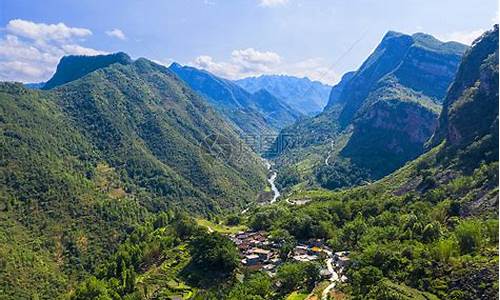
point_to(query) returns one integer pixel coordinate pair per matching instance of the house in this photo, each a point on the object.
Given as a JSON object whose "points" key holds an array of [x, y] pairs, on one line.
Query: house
{"points": [[263, 255], [325, 273], [305, 257], [314, 250], [343, 261], [251, 260], [300, 250]]}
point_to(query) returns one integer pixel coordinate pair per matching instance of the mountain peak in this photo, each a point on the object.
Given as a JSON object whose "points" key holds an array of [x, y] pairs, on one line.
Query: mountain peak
{"points": [[73, 67]]}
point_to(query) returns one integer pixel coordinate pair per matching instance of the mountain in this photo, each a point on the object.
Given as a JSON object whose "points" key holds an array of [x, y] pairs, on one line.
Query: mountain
{"points": [[472, 96], [302, 94], [378, 117], [430, 229], [253, 114], [35, 85], [73, 67], [84, 162], [336, 91], [466, 140]]}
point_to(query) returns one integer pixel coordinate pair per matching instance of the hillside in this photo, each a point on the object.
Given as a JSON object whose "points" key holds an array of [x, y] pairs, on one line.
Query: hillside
{"points": [[427, 231], [378, 117], [254, 114], [430, 229], [83, 163], [302, 94]]}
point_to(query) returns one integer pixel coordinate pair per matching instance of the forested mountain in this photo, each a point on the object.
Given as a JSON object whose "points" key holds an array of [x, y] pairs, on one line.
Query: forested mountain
{"points": [[254, 113], [84, 162], [306, 96], [73, 67], [379, 117], [428, 231]]}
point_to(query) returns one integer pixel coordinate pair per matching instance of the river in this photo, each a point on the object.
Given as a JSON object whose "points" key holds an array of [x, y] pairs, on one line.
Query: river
{"points": [[271, 180]]}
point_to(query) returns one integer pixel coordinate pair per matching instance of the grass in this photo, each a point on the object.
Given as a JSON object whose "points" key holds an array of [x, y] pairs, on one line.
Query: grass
{"points": [[297, 296], [221, 228], [165, 279]]}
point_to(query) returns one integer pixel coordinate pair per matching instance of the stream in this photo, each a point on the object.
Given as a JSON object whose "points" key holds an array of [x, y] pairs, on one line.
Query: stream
{"points": [[271, 180]]}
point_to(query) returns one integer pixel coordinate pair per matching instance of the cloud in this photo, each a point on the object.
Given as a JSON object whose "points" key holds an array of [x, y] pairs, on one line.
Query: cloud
{"points": [[29, 51], [46, 32], [271, 3], [464, 37], [117, 33], [251, 62]]}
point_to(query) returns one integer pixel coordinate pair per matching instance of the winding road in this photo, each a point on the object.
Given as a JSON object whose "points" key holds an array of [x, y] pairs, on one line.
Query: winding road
{"points": [[334, 279]]}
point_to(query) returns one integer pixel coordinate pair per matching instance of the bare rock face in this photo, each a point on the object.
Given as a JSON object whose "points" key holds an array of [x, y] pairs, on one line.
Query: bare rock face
{"points": [[389, 134], [472, 96]]}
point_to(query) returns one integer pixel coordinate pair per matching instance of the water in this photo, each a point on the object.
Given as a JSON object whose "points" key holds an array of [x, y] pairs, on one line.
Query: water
{"points": [[271, 181]]}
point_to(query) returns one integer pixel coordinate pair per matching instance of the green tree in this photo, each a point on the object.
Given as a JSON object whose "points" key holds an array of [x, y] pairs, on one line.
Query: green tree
{"points": [[215, 253], [469, 236]]}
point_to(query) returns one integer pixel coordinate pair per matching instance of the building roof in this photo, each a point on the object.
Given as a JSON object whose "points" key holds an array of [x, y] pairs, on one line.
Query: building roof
{"points": [[260, 251]]}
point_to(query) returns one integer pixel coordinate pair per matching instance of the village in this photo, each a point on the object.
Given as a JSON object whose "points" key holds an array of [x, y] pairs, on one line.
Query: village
{"points": [[259, 252]]}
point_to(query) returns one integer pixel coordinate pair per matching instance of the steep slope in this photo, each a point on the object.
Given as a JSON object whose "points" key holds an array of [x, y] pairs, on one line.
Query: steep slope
{"points": [[378, 117], [467, 136], [83, 163], [430, 229], [302, 94], [472, 95], [253, 114]]}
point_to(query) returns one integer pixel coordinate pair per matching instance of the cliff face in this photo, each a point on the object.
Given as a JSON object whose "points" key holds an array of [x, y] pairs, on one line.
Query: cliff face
{"points": [[418, 62], [390, 133], [380, 116], [470, 110]]}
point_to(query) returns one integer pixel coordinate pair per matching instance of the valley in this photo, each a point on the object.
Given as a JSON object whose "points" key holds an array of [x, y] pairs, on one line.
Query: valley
{"points": [[126, 179]]}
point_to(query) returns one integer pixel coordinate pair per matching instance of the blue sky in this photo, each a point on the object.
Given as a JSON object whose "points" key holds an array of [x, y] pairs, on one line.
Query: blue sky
{"points": [[233, 38]]}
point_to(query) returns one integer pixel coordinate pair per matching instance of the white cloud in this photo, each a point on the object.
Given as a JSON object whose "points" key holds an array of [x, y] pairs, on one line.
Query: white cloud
{"points": [[251, 62], [29, 51], [46, 32], [117, 33], [464, 37], [270, 3]]}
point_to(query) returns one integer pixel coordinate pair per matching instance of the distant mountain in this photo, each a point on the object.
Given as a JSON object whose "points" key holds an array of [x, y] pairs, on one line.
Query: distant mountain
{"points": [[380, 116], [306, 96], [86, 161], [254, 114], [35, 85]]}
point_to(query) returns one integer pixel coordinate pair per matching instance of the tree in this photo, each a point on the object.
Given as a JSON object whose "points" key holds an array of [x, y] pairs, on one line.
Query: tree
{"points": [[297, 275], [92, 289], [469, 237], [211, 252]]}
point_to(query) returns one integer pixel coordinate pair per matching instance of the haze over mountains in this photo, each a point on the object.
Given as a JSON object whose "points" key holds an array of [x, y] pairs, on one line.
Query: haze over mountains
{"points": [[255, 114], [306, 96], [121, 178]]}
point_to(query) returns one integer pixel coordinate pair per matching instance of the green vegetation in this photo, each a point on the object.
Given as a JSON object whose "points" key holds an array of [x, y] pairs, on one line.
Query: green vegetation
{"points": [[380, 118], [84, 163], [232, 226]]}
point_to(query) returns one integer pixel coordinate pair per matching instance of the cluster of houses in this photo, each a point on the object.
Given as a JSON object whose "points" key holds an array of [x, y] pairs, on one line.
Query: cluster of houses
{"points": [[258, 252]]}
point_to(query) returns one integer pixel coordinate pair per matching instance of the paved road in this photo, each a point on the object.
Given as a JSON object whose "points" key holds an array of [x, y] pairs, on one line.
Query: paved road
{"points": [[334, 279]]}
